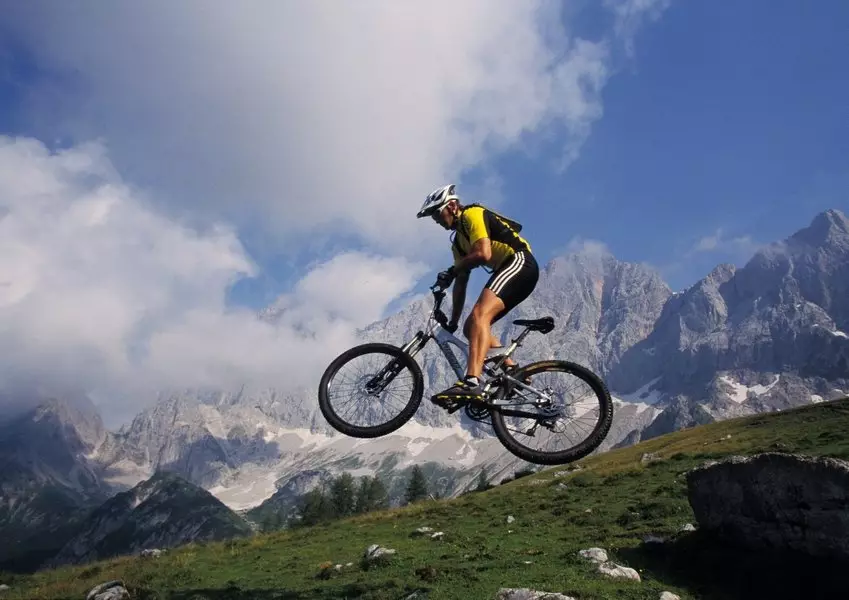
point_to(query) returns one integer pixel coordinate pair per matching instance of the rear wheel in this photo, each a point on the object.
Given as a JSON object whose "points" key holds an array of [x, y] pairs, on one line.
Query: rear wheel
{"points": [[570, 427], [370, 390]]}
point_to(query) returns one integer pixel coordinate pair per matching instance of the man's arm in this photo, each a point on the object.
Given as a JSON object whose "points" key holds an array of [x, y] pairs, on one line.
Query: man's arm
{"points": [[480, 254], [458, 296]]}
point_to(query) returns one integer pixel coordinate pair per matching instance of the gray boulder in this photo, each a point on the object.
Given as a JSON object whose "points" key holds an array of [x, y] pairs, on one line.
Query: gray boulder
{"points": [[111, 590], [775, 501], [528, 594]]}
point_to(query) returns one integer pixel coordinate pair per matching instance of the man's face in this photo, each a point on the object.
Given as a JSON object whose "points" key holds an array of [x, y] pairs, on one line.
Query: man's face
{"points": [[445, 217]]}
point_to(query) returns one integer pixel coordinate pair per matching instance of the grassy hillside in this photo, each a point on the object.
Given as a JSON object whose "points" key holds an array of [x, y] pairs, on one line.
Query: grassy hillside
{"points": [[613, 501]]}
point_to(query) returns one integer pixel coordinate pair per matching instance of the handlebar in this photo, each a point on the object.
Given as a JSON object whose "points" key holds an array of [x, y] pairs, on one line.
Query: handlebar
{"points": [[438, 297]]}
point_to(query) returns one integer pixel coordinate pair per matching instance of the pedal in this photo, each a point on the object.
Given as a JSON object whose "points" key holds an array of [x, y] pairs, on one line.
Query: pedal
{"points": [[451, 406]]}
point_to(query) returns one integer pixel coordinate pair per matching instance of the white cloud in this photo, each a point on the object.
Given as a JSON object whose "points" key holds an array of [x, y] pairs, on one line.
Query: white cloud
{"points": [[631, 16], [351, 287], [581, 245], [720, 242], [318, 125], [101, 293], [317, 118]]}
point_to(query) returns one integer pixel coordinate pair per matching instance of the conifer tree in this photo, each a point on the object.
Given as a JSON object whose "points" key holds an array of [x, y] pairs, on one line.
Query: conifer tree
{"points": [[361, 501], [371, 495], [378, 496], [314, 507], [342, 498], [417, 486], [482, 482]]}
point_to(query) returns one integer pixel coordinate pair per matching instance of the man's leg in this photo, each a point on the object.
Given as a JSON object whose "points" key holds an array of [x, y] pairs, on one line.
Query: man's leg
{"points": [[494, 342], [480, 337], [480, 334]]}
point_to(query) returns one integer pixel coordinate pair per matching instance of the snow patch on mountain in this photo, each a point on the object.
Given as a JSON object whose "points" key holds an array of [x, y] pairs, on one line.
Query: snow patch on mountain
{"points": [[740, 392], [646, 394]]}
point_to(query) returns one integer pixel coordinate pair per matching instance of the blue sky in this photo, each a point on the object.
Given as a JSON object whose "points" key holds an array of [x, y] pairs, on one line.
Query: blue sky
{"points": [[295, 143], [732, 116], [727, 116]]}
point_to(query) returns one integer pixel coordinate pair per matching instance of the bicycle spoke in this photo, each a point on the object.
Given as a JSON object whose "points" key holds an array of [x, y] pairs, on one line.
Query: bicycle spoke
{"points": [[570, 411], [353, 403]]}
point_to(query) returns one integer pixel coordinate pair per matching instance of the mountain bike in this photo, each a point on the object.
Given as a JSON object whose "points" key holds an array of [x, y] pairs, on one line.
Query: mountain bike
{"points": [[518, 393]]}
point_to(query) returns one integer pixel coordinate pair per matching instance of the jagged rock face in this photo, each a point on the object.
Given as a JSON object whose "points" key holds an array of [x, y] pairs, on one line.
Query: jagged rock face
{"points": [[52, 443], [771, 332], [206, 436], [775, 501], [47, 479], [601, 307], [162, 512]]}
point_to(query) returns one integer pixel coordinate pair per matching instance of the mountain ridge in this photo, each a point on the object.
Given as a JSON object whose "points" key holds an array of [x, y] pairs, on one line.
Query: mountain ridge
{"points": [[763, 337]]}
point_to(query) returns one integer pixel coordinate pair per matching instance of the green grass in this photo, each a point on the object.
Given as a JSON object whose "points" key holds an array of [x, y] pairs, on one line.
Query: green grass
{"points": [[481, 553]]}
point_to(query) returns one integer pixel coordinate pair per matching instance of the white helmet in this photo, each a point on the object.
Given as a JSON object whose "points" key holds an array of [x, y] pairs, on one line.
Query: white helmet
{"points": [[436, 200]]}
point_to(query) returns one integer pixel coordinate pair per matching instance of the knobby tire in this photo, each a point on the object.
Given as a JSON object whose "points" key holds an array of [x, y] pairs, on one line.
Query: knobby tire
{"points": [[584, 448], [406, 413]]}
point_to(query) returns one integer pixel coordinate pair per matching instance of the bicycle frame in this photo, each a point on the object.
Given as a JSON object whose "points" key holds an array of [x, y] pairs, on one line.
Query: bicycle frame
{"points": [[444, 340]]}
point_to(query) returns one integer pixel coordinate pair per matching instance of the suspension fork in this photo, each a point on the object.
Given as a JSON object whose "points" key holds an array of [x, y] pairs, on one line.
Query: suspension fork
{"points": [[387, 374]]}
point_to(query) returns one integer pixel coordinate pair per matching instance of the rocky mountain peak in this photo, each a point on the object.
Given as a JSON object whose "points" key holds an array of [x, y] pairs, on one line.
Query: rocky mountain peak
{"points": [[76, 420], [827, 228], [720, 274], [162, 512]]}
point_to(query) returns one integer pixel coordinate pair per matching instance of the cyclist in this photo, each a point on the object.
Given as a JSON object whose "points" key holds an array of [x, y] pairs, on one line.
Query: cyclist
{"points": [[482, 238]]}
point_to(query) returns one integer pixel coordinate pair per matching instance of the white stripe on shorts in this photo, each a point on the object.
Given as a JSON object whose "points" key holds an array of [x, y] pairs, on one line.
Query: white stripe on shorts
{"points": [[509, 273]]}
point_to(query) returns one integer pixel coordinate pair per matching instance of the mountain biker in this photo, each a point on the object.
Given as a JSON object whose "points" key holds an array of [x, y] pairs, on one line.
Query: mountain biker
{"points": [[482, 238]]}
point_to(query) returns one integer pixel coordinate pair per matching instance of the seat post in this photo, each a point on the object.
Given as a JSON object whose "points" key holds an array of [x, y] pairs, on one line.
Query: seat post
{"points": [[518, 341]]}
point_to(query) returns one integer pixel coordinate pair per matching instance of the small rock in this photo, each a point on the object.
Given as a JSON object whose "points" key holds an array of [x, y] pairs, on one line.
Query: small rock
{"points": [[422, 531], [509, 531], [618, 571], [111, 590], [528, 562], [589, 510], [375, 553], [653, 539], [528, 594], [510, 519], [4, 587], [687, 527], [668, 596], [151, 553], [598, 555], [649, 457], [562, 486]]}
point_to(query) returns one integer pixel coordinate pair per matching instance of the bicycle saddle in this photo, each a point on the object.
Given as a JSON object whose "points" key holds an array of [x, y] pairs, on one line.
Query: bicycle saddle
{"points": [[543, 325]]}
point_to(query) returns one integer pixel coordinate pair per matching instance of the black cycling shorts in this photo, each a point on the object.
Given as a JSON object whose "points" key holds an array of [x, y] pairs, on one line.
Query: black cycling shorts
{"points": [[514, 280]]}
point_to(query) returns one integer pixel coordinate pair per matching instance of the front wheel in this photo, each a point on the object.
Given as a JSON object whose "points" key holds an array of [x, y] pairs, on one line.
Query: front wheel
{"points": [[579, 402], [382, 393]]}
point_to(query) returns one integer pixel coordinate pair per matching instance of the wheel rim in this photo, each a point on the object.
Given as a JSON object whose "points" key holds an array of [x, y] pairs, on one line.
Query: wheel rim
{"points": [[350, 399], [578, 411]]}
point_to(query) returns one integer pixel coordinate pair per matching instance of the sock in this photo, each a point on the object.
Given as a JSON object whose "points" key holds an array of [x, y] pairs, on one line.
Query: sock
{"points": [[473, 381]]}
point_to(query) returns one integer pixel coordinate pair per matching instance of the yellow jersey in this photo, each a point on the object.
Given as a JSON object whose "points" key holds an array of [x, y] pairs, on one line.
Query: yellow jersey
{"points": [[475, 223]]}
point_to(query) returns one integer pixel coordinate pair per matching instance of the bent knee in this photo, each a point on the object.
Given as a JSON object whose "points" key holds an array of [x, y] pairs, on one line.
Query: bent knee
{"points": [[482, 315]]}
